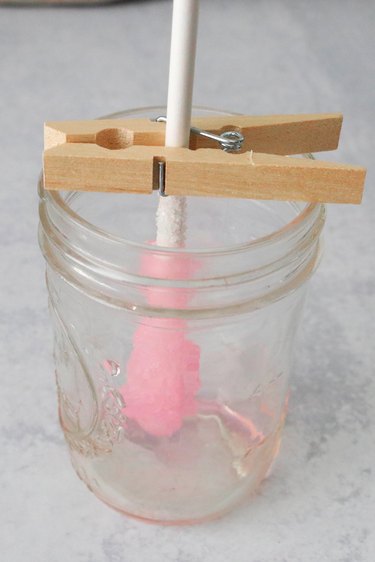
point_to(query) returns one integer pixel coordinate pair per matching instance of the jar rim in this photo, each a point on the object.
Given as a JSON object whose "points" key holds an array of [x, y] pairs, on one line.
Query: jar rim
{"points": [[263, 241]]}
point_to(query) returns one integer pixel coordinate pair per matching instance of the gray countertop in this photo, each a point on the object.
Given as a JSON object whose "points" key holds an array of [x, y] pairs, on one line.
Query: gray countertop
{"points": [[277, 56]]}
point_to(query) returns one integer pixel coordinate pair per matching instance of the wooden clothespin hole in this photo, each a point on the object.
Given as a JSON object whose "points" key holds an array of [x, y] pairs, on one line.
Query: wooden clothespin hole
{"points": [[116, 138]]}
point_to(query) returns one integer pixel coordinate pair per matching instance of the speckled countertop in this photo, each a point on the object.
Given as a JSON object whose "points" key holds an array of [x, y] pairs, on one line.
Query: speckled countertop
{"points": [[262, 57]]}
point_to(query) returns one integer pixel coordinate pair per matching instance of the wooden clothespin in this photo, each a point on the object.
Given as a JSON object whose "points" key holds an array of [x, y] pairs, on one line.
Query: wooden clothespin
{"points": [[129, 155]]}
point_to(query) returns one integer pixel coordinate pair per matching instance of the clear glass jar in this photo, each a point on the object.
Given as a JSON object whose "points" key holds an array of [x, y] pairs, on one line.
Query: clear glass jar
{"points": [[172, 365]]}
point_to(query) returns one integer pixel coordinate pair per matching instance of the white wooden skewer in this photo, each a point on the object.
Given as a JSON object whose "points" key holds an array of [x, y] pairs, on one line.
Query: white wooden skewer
{"points": [[171, 213]]}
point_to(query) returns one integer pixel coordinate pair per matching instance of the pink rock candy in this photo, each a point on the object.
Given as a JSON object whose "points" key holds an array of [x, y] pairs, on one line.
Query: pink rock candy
{"points": [[163, 369]]}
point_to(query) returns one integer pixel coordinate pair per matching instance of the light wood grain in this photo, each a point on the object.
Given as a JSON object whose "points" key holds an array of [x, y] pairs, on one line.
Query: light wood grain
{"points": [[88, 167], [203, 172], [264, 176], [137, 131], [274, 134]]}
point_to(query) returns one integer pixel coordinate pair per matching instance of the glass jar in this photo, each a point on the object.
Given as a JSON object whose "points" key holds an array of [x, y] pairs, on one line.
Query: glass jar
{"points": [[172, 365]]}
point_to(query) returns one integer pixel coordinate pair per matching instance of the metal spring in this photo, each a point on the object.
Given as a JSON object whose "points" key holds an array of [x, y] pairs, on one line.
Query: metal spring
{"points": [[230, 141]]}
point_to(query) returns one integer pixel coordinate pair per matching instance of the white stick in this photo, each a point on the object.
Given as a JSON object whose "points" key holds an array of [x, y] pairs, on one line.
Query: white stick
{"points": [[181, 71], [171, 214]]}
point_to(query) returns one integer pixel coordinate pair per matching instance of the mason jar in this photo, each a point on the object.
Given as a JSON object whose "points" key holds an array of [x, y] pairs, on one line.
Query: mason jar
{"points": [[172, 364]]}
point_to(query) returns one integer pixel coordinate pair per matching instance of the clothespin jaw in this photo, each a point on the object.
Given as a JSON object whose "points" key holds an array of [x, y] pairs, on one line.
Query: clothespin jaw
{"points": [[129, 155]]}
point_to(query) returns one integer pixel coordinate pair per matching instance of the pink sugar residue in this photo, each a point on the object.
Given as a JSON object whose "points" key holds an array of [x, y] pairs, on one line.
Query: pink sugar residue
{"points": [[163, 368]]}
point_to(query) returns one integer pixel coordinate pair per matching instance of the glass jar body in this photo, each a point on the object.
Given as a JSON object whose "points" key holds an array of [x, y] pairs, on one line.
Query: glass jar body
{"points": [[173, 391]]}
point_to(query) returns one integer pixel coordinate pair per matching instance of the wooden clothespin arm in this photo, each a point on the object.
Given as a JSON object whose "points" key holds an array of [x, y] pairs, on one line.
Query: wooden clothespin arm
{"points": [[272, 134], [124, 155], [276, 134]]}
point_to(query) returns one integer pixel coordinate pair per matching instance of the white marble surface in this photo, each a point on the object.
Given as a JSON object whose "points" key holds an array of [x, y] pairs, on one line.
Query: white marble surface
{"points": [[260, 56]]}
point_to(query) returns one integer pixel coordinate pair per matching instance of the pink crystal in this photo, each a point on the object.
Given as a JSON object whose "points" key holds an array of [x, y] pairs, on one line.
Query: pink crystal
{"points": [[163, 368]]}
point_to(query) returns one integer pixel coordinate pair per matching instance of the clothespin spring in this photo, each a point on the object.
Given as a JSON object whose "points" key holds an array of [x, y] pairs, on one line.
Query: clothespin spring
{"points": [[230, 141]]}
